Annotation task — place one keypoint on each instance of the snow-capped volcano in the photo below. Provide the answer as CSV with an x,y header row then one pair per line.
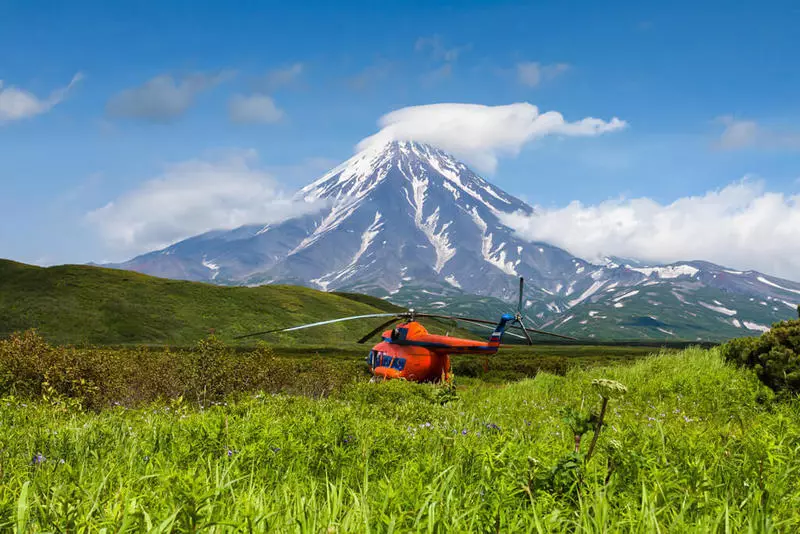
x,y
411,223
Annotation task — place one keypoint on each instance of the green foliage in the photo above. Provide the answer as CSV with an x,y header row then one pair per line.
x,y
692,447
95,377
775,356
82,304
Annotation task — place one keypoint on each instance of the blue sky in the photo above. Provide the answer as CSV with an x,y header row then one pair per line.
x,y
708,92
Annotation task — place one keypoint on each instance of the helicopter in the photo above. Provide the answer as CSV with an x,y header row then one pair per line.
x,y
409,352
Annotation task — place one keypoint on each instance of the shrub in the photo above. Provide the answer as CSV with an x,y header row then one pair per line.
x,y
775,356
94,377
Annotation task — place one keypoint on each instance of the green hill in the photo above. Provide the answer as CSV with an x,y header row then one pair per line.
x,y
84,304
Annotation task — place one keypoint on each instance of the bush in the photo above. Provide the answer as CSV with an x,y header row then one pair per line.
x,y
775,356
94,377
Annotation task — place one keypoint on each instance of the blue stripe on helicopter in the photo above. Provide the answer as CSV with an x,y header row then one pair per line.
x,y
432,345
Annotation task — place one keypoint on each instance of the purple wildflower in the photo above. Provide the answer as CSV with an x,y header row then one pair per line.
x,y
38,458
464,432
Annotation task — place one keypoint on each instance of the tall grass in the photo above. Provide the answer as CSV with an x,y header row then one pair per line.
x,y
695,445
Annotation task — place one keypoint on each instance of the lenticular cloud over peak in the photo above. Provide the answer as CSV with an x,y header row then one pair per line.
x,y
479,134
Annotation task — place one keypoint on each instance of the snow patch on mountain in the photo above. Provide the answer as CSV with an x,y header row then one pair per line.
x,y
626,295
718,309
773,284
755,326
594,288
450,279
669,271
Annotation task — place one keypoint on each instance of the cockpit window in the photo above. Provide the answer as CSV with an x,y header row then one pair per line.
x,y
381,359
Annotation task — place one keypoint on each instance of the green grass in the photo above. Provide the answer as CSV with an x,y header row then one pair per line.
x,y
79,304
695,446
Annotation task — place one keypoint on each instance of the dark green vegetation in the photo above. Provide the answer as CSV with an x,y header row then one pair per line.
x,y
82,304
695,445
775,356
98,377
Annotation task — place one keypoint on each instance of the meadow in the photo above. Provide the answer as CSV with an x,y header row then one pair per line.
x,y
694,445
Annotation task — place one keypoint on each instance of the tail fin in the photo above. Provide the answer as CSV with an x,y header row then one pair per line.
x,y
497,335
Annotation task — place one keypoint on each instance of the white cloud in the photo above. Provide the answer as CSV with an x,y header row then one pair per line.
x,y
282,77
532,73
739,134
477,133
162,98
193,197
370,76
439,53
437,49
17,104
740,226
255,108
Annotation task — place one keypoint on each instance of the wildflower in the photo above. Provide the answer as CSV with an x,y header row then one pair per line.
x,y
464,432
231,452
38,458
609,389
61,461
275,449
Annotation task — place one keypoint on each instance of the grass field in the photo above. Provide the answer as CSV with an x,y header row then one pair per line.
x,y
80,304
694,445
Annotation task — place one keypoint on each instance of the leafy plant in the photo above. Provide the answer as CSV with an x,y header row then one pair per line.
x,y
775,356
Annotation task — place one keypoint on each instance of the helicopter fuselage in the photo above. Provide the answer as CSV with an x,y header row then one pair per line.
x,y
408,351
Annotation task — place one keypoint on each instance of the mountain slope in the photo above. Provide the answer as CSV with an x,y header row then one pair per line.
x,y
77,304
409,223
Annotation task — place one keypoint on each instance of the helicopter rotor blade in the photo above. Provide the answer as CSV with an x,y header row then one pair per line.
x,y
492,328
519,303
455,318
543,332
378,329
320,323
522,327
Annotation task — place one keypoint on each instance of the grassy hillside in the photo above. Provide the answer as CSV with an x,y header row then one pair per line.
x,y
694,446
85,304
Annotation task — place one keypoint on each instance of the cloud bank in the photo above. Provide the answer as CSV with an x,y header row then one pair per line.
x,y
256,108
163,98
741,226
280,78
532,73
193,197
741,134
479,134
17,104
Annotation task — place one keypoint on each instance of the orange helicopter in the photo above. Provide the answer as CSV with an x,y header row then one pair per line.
x,y
408,351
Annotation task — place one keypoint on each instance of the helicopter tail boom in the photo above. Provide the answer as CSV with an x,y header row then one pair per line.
x,y
497,335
